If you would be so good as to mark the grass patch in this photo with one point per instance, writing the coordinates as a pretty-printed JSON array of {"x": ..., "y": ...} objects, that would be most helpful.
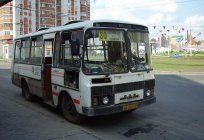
[
  {"x": 198, "y": 53},
  {"x": 182, "y": 53},
  {"x": 183, "y": 64}
]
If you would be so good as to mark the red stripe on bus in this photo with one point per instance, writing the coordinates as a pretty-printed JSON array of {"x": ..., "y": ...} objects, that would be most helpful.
[
  {"x": 55, "y": 93},
  {"x": 76, "y": 101}
]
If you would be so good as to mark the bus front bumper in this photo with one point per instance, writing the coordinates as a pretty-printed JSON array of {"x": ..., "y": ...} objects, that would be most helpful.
[{"x": 107, "y": 110}]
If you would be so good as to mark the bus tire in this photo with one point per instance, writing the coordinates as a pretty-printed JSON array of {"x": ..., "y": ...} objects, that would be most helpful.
[
  {"x": 26, "y": 93},
  {"x": 69, "y": 110}
]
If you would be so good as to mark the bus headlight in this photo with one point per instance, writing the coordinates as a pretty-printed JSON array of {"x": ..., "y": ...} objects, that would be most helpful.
[
  {"x": 105, "y": 100},
  {"x": 148, "y": 93}
]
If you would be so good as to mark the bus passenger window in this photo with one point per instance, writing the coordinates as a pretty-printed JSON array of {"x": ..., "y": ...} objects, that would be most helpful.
[
  {"x": 57, "y": 49},
  {"x": 48, "y": 51},
  {"x": 72, "y": 41},
  {"x": 36, "y": 49},
  {"x": 25, "y": 51},
  {"x": 75, "y": 44},
  {"x": 17, "y": 52},
  {"x": 65, "y": 55}
]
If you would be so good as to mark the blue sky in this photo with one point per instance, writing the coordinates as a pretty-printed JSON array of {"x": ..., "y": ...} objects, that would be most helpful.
[{"x": 175, "y": 15}]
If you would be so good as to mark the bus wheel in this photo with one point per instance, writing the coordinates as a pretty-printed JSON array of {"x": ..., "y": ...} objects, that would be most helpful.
[
  {"x": 69, "y": 110},
  {"x": 26, "y": 92}
]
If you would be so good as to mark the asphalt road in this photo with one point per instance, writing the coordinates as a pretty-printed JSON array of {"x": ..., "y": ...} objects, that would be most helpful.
[{"x": 178, "y": 114}]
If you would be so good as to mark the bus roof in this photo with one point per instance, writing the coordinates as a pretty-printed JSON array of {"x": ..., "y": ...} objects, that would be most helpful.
[{"x": 77, "y": 25}]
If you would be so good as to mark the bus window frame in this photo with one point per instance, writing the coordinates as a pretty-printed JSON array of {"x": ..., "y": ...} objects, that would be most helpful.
[
  {"x": 127, "y": 47},
  {"x": 130, "y": 57},
  {"x": 28, "y": 59},
  {"x": 56, "y": 60},
  {"x": 44, "y": 51},
  {"x": 57, "y": 64},
  {"x": 35, "y": 45},
  {"x": 19, "y": 55}
]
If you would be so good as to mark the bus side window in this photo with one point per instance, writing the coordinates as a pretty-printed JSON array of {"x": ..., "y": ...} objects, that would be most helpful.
[
  {"x": 17, "y": 51},
  {"x": 48, "y": 51},
  {"x": 72, "y": 41},
  {"x": 25, "y": 51},
  {"x": 36, "y": 50},
  {"x": 65, "y": 49},
  {"x": 57, "y": 49},
  {"x": 79, "y": 40},
  {"x": 75, "y": 44}
]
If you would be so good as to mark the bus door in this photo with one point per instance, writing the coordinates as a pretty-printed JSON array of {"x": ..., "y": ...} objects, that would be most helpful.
[
  {"x": 15, "y": 69},
  {"x": 46, "y": 73}
]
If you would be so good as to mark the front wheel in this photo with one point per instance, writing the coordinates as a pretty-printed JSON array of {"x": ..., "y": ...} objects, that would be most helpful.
[{"x": 69, "y": 110}]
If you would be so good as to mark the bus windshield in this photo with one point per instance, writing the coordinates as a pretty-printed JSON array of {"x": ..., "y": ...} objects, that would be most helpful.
[
  {"x": 140, "y": 51},
  {"x": 105, "y": 52}
]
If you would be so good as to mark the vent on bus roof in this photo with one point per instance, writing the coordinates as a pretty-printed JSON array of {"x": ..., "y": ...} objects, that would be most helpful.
[
  {"x": 42, "y": 29},
  {"x": 74, "y": 21}
]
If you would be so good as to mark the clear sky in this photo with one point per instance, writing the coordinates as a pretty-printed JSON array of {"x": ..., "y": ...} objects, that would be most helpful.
[{"x": 169, "y": 17}]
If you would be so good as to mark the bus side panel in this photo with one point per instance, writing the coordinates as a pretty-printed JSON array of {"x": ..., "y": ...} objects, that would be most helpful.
[
  {"x": 85, "y": 86},
  {"x": 35, "y": 87},
  {"x": 30, "y": 71},
  {"x": 15, "y": 75},
  {"x": 75, "y": 95},
  {"x": 57, "y": 78},
  {"x": 58, "y": 86},
  {"x": 33, "y": 75}
]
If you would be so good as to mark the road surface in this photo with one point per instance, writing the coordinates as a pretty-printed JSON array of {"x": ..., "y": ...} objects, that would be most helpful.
[{"x": 178, "y": 114}]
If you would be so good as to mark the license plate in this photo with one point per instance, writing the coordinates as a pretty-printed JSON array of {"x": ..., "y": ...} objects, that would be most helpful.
[{"x": 130, "y": 106}]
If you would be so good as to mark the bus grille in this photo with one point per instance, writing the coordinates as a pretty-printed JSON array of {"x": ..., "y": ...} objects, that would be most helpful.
[
  {"x": 102, "y": 90},
  {"x": 110, "y": 90},
  {"x": 105, "y": 90},
  {"x": 128, "y": 87}
]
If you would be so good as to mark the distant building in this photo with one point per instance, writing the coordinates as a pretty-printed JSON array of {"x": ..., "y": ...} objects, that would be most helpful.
[
  {"x": 24, "y": 16},
  {"x": 202, "y": 42},
  {"x": 163, "y": 41},
  {"x": 176, "y": 42},
  {"x": 6, "y": 31},
  {"x": 154, "y": 44}
]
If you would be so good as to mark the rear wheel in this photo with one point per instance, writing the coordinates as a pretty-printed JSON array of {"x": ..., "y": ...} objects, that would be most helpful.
[
  {"x": 69, "y": 110},
  {"x": 26, "y": 93}
]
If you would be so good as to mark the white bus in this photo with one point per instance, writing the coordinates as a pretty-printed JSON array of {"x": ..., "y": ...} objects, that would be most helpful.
[{"x": 86, "y": 68}]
